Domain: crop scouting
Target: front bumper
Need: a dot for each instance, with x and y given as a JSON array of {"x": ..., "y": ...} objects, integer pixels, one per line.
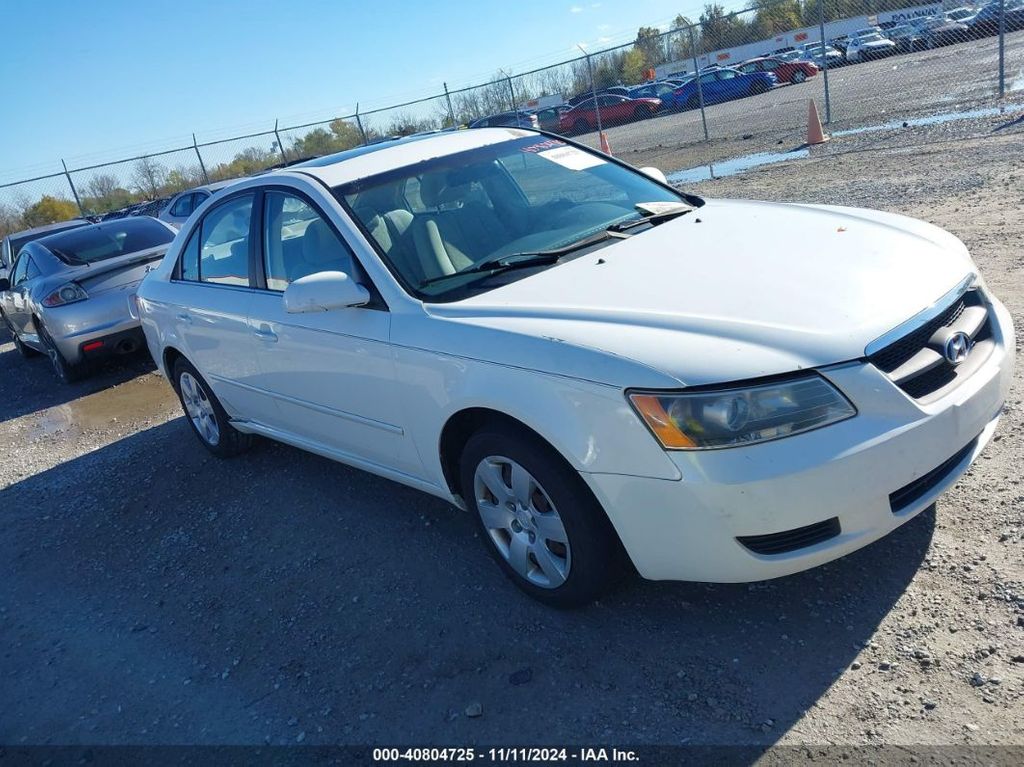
[
  {"x": 688, "y": 529},
  {"x": 110, "y": 317}
]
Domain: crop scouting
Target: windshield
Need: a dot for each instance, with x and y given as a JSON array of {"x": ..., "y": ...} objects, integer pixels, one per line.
[
  {"x": 108, "y": 240},
  {"x": 871, "y": 38},
  {"x": 526, "y": 195}
]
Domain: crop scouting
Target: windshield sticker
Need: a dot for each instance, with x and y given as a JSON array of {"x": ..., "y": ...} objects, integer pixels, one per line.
[
  {"x": 572, "y": 158},
  {"x": 541, "y": 146}
]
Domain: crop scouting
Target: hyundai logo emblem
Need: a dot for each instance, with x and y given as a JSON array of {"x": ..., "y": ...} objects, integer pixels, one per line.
[{"x": 957, "y": 347}]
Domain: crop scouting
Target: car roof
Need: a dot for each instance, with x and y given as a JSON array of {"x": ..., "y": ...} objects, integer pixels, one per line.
[
  {"x": 364, "y": 161},
  {"x": 59, "y": 226}
]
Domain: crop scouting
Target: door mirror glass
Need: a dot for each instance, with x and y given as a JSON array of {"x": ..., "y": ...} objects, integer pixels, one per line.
[{"x": 322, "y": 292}]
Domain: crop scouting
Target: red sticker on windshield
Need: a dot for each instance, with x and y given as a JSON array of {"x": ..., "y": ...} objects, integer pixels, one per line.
[{"x": 540, "y": 147}]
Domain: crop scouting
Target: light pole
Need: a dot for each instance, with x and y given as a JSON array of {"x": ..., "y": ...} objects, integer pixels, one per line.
[{"x": 593, "y": 89}]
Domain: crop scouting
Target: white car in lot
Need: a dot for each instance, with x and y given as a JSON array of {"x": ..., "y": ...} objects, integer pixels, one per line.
[
  {"x": 864, "y": 47},
  {"x": 590, "y": 362}
]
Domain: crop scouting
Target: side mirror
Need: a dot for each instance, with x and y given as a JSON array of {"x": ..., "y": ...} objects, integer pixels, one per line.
[
  {"x": 5, "y": 284},
  {"x": 654, "y": 173},
  {"x": 322, "y": 292}
]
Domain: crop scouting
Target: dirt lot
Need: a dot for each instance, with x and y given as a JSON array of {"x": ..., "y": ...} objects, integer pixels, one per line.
[{"x": 150, "y": 593}]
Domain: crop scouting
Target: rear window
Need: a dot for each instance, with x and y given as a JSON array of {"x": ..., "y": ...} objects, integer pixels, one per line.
[{"x": 108, "y": 240}]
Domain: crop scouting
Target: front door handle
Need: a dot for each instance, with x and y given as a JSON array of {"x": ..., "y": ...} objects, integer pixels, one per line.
[{"x": 264, "y": 333}]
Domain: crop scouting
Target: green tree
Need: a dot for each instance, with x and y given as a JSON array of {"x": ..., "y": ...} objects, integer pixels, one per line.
[
  {"x": 48, "y": 210},
  {"x": 634, "y": 64}
]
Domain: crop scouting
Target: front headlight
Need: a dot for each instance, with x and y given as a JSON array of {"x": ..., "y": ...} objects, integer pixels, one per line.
[{"x": 742, "y": 415}]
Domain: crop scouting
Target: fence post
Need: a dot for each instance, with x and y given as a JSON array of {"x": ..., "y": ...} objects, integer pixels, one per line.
[
  {"x": 700, "y": 90},
  {"x": 824, "y": 60},
  {"x": 359, "y": 124},
  {"x": 593, "y": 90},
  {"x": 448, "y": 97},
  {"x": 1002, "y": 48},
  {"x": 280, "y": 146},
  {"x": 511, "y": 92},
  {"x": 202, "y": 165},
  {"x": 78, "y": 202}
]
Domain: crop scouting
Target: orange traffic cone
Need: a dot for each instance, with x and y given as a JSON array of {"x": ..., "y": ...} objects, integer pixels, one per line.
[
  {"x": 815, "y": 135},
  {"x": 604, "y": 144}
]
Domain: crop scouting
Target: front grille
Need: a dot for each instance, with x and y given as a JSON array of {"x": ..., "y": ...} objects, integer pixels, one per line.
[
  {"x": 911, "y": 493},
  {"x": 916, "y": 363},
  {"x": 791, "y": 540}
]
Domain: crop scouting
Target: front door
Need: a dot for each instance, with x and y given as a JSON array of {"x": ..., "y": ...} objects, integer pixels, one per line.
[{"x": 332, "y": 374}]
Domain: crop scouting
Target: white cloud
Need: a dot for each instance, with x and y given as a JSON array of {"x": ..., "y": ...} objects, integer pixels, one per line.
[{"x": 576, "y": 9}]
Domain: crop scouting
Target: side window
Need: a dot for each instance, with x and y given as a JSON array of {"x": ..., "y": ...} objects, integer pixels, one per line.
[
  {"x": 188, "y": 263},
  {"x": 224, "y": 243},
  {"x": 297, "y": 242},
  {"x": 31, "y": 270},
  {"x": 726, "y": 74},
  {"x": 183, "y": 206},
  {"x": 20, "y": 270},
  {"x": 708, "y": 78}
]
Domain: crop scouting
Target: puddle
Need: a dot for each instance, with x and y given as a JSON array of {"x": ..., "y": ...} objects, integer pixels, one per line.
[
  {"x": 915, "y": 122},
  {"x": 139, "y": 400},
  {"x": 733, "y": 166}
]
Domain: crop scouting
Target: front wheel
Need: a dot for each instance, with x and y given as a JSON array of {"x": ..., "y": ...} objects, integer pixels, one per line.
[
  {"x": 798, "y": 77},
  {"x": 538, "y": 518},
  {"x": 205, "y": 414},
  {"x": 580, "y": 126}
]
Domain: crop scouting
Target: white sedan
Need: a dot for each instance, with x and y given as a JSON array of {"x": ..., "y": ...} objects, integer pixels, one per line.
[{"x": 596, "y": 366}]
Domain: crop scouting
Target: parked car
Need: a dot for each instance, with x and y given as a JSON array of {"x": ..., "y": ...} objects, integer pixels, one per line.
[
  {"x": 823, "y": 54},
  {"x": 986, "y": 22},
  {"x": 494, "y": 319},
  {"x": 180, "y": 207},
  {"x": 722, "y": 84},
  {"x": 656, "y": 90},
  {"x": 839, "y": 43},
  {"x": 71, "y": 295},
  {"x": 791, "y": 55},
  {"x": 962, "y": 15},
  {"x": 794, "y": 72},
  {"x": 13, "y": 243},
  {"x": 613, "y": 109},
  {"x": 549, "y": 119},
  {"x": 906, "y": 38},
  {"x": 868, "y": 47},
  {"x": 151, "y": 208},
  {"x": 517, "y": 119},
  {"x": 937, "y": 31}
]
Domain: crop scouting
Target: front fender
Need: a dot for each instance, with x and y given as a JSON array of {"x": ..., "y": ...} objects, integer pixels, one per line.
[{"x": 590, "y": 424}]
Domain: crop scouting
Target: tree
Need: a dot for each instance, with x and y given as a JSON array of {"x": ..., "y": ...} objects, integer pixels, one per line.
[
  {"x": 634, "y": 64},
  {"x": 149, "y": 177},
  {"x": 651, "y": 44},
  {"x": 722, "y": 30},
  {"x": 774, "y": 18},
  {"x": 48, "y": 210}
]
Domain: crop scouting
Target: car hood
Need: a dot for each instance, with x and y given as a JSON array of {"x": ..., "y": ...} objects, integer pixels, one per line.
[{"x": 729, "y": 291}]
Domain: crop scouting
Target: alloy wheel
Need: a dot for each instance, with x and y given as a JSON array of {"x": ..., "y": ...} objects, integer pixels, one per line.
[
  {"x": 199, "y": 408},
  {"x": 522, "y": 521}
]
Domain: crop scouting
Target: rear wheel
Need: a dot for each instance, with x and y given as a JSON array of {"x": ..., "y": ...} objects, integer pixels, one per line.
[
  {"x": 798, "y": 77},
  {"x": 25, "y": 351},
  {"x": 693, "y": 102},
  {"x": 66, "y": 371},
  {"x": 538, "y": 518},
  {"x": 641, "y": 113},
  {"x": 580, "y": 126},
  {"x": 206, "y": 416},
  {"x": 759, "y": 86}
]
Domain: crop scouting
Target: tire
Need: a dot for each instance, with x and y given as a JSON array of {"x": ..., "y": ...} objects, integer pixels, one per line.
[
  {"x": 25, "y": 351},
  {"x": 205, "y": 414},
  {"x": 693, "y": 102},
  {"x": 580, "y": 560},
  {"x": 759, "y": 86},
  {"x": 799, "y": 76},
  {"x": 66, "y": 372},
  {"x": 580, "y": 126},
  {"x": 641, "y": 113}
]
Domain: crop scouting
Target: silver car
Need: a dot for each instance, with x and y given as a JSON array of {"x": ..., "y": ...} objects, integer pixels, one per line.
[
  {"x": 180, "y": 207},
  {"x": 71, "y": 296},
  {"x": 12, "y": 243}
]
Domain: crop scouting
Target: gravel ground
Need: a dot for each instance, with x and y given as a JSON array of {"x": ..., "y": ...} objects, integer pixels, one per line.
[{"x": 150, "y": 593}]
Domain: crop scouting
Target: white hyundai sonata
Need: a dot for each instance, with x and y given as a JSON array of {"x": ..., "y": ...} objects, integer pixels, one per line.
[{"x": 593, "y": 364}]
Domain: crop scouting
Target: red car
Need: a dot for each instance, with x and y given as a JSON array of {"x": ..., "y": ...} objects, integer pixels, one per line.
[
  {"x": 614, "y": 109},
  {"x": 786, "y": 71}
]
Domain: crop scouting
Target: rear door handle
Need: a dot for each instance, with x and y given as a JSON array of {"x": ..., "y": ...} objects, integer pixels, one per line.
[{"x": 264, "y": 333}]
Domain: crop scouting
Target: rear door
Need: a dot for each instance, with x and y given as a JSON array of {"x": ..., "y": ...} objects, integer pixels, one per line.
[
  {"x": 331, "y": 374},
  {"x": 213, "y": 295}
]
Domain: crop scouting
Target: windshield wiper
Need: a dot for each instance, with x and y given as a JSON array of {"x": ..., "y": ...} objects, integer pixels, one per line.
[
  {"x": 527, "y": 259},
  {"x": 652, "y": 216}
]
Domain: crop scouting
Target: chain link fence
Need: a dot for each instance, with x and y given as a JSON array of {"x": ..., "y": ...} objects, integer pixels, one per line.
[{"x": 702, "y": 92}]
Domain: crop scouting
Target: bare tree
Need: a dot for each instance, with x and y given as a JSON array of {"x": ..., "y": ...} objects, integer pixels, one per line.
[
  {"x": 102, "y": 186},
  {"x": 149, "y": 177}
]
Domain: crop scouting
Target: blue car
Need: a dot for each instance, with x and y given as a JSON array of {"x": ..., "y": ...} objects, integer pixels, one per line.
[{"x": 722, "y": 84}]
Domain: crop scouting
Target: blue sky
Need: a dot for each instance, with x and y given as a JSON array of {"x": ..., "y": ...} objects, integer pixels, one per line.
[{"x": 101, "y": 80}]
